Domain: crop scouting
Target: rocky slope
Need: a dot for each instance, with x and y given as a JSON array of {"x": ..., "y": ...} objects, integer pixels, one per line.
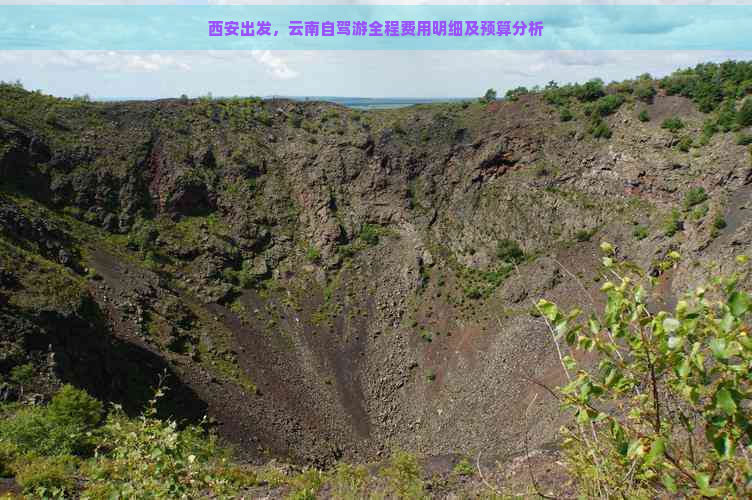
[{"x": 329, "y": 283}]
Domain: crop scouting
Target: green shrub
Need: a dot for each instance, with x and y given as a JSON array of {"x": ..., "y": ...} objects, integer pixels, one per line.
[
  {"x": 464, "y": 468},
  {"x": 590, "y": 91},
  {"x": 695, "y": 196},
  {"x": 684, "y": 144},
  {"x": 719, "y": 222},
  {"x": 609, "y": 104},
  {"x": 565, "y": 115},
  {"x": 643, "y": 116},
  {"x": 509, "y": 251},
  {"x": 743, "y": 139},
  {"x": 673, "y": 124},
  {"x": 404, "y": 474},
  {"x": 665, "y": 404},
  {"x": 599, "y": 129},
  {"x": 699, "y": 212},
  {"x": 489, "y": 96},
  {"x": 744, "y": 116},
  {"x": 313, "y": 254},
  {"x": 644, "y": 90},
  {"x": 22, "y": 375},
  {"x": 47, "y": 477},
  {"x": 8, "y": 454},
  {"x": 673, "y": 224},
  {"x": 584, "y": 235},
  {"x": 370, "y": 234},
  {"x": 640, "y": 233},
  {"x": 71, "y": 406}
]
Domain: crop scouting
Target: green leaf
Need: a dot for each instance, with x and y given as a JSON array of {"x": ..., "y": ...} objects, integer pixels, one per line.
[
  {"x": 675, "y": 343},
  {"x": 719, "y": 348},
  {"x": 549, "y": 310},
  {"x": 702, "y": 480},
  {"x": 636, "y": 449},
  {"x": 724, "y": 401},
  {"x": 656, "y": 452},
  {"x": 669, "y": 483},
  {"x": 738, "y": 303},
  {"x": 671, "y": 324}
]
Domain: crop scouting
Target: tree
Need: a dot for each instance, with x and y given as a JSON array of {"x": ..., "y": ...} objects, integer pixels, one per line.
[
  {"x": 490, "y": 95},
  {"x": 663, "y": 411}
]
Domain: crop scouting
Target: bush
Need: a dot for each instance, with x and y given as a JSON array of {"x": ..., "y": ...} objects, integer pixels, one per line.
[
  {"x": 59, "y": 429},
  {"x": 673, "y": 224},
  {"x": 405, "y": 474},
  {"x": 744, "y": 117},
  {"x": 590, "y": 91},
  {"x": 643, "y": 116},
  {"x": 599, "y": 129},
  {"x": 684, "y": 144},
  {"x": 8, "y": 454},
  {"x": 370, "y": 234},
  {"x": 565, "y": 115},
  {"x": 644, "y": 90},
  {"x": 47, "y": 477},
  {"x": 743, "y": 139},
  {"x": 71, "y": 406},
  {"x": 489, "y": 96},
  {"x": 640, "y": 233},
  {"x": 509, "y": 251},
  {"x": 719, "y": 222},
  {"x": 695, "y": 196},
  {"x": 584, "y": 235},
  {"x": 673, "y": 124},
  {"x": 608, "y": 104},
  {"x": 663, "y": 411}
]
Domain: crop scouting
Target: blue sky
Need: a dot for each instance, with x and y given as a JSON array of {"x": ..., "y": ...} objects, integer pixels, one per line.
[{"x": 372, "y": 73}]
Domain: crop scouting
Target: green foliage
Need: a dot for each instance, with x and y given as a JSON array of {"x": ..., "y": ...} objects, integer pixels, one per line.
[
  {"x": 744, "y": 117},
  {"x": 489, "y": 96},
  {"x": 61, "y": 428},
  {"x": 370, "y": 234},
  {"x": 584, "y": 235},
  {"x": 684, "y": 144},
  {"x": 590, "y": 91},
  {"x": 644, "y": 90},
  {"x": 404, "y": 474},
  {"x": 22, "y": 375},
  {"x": 313, "y": 254},
  {"x": 719, "y": 222},
  {"x": 673, "y": 124},
  {"x": 664, "y": 411},
  {"x": 509, "y": 251},
  {"x": 565, "y": 115},
  {"x": 514, "y": 94},
  {"x": 643, "y": 116},
  {"x": 8, "y": 454},
  {"x": 695, "y": 196},
  {"x": 464, "y": 468},
  {"x": 673, "y": 224},
  {"x": 608, "y": 104},
  {"x": 599, "y": 128},
  {"x": 71, "y": 406},
  {"x": 710, "y": 83},
  {"x": 47, "y": 477},
  {"x": 743, "y": 139},
  {"x": 640, "y": 233}
]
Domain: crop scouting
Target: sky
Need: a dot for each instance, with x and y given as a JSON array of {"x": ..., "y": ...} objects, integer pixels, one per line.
[{"x": 375, "y": 73}]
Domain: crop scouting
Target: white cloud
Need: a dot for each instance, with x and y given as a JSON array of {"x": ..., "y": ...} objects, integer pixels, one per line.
[
  {"x": 109, "y": 61},
  {"x": 275, "y": 65}
]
